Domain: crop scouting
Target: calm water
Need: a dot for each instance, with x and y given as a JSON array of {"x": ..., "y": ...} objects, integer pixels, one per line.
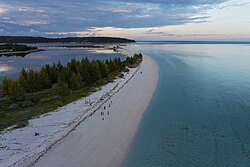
[
  {"x": 200, "y": 112},
  {"x": 11, "y": 66}
]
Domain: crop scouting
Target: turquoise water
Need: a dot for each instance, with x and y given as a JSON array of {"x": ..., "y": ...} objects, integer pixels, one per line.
[{"x": 200, "y": 112}]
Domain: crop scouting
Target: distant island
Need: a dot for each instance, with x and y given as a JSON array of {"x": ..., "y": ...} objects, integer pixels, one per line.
[
  {"x": 28, "y": 39},
  {"x": 11, "y": 49}
]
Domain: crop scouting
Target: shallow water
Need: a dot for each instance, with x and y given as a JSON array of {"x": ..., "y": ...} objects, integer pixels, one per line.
[
  {"x": 200, "y": 112},
  {"x": 11, "y": 66}
]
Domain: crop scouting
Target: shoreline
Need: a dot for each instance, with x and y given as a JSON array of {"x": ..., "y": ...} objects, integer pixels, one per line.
[
  {"x": 21, "y": 52},
  {"x": 82, "y": 121}
]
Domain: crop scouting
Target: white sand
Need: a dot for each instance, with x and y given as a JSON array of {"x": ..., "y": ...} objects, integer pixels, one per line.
[
  {"x": 75, "y": 137},
  {"x": 104, "y": 143}
]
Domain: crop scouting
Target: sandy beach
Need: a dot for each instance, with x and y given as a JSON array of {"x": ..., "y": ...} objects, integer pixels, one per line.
[
  {"x": 81, "y": 134},
  {"x": 103, "y": 140}
]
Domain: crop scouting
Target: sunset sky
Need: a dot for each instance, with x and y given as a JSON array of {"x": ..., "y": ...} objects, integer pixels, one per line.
[{"x": 136, "y": 19}]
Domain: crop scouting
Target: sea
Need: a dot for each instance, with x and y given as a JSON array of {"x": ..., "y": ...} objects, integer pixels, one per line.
[{"x": 199, "y": 115}]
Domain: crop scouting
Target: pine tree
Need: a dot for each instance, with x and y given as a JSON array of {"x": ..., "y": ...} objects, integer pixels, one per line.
[
  {"x": 94, "y": 71},
  {"x": 32, "y": 82},
  {"x": 75, "y": 81},
  {"x": 23, "y": 82},
  {"x": 44, "y": 79},
  {"x": 6, "y": 87},
  {"x": 84, "y": 71},
  {"x": 62, "y": 87},
  {"x": 104, "y": 70},
  {"x": 16, "y": 90}
]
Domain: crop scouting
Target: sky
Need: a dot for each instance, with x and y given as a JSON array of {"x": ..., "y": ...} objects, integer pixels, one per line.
[{"x": 134, "y": 19}]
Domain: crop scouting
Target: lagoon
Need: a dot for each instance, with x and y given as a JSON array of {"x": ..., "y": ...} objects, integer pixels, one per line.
[{"x": 11, "y": 66}]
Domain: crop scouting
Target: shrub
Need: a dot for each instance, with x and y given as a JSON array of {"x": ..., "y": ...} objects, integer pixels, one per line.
[
  {"x": 22, "y": 124},
  {"x": 35, "y": 99},
  {"x": 4, "y": 105},
  {"x": 102, "y": 82},
  {"x": 58, "y": 103},
  {"x": 27, "y": 103},
  {"x": 3, "y": 115},
  {"x": 121, "y": 75},
  {"x": 126, "y": 70}
]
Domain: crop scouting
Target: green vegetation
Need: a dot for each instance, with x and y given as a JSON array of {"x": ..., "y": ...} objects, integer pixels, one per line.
[
  {"x": 38, "y": 92},
  {"x": 23, "y": 39},
  {"x": 15, "y": 47},
  {"x": 11, "y": 49}
]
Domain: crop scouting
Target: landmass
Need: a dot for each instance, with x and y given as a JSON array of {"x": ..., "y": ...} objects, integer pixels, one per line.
[
  {"x": 27, "y": 39},
  {"x": 11, "y": 49},
  {"x": 69, "y": 137},
  {"x": 38, "y": 92}
]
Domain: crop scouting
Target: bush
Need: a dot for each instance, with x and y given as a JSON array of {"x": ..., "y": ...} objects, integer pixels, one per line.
[
  {"x": 58, "y": 103},
  {"x": 121, "y": 75},
  {"x": 35, "y": 99},
  {"x": 4, "y": 105},
  {"x": 27, "y": 104},
  {"x": 102, "y": 82},
  {"x": 22, "y": 124},
  {"x": 2, "y": 115},
  {"x": 126, "y": 70}
]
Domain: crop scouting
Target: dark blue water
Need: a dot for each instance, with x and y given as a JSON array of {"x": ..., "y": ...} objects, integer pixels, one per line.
[
  {"x": 200, "y": 113},
  {"x": 11, "y": 66}
]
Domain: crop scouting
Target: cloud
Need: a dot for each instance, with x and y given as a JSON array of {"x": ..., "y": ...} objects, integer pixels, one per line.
[
  {"x": 161, "y": 33},
  {"x": 62, "y": 17},
  {"x": 31, "y": 10},
  {"x": 3, "y": 10},
  {"x": 115, "y": 10},
  {"x": 27, "y": 23}
]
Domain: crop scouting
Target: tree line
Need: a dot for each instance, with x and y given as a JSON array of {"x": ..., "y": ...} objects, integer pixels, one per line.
[
  {"x": 75, "y": 75},
  {"x": 28, "y": 39},
  {"x": 16, "y": 47}
]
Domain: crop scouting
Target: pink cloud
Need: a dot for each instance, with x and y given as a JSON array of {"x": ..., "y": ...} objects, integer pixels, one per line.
[
  {"x": 32, "y": 10},
  {"x": 27, "y": 23},
  {"x": 114, "y": 10},
  {"x": 3, "y": 10}
]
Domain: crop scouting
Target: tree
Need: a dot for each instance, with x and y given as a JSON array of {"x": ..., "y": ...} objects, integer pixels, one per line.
[
  {"x": 6, "y": 87},
  {"x": 74, "y": 65},
  {"x": 66, "y": 75},
  {"x": 44, "y": 79},
  {"x": 94, "y": 71},
  {"x": 12, "y": 88},
  {"x": 104, "y": 70},
  {"x": 24, "y": 73},
  {"x": 111, "y": 66},
  {"x": 23, "y": 82},
  {"x": 54, "y": 74},
  {"x": 16, "y": 90},
  {"x": 84, "y": 71},
  {"x": 32, "y": 81},
  {"x": 62, "y": 87},
  {"x": 75, "y": 81}
]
